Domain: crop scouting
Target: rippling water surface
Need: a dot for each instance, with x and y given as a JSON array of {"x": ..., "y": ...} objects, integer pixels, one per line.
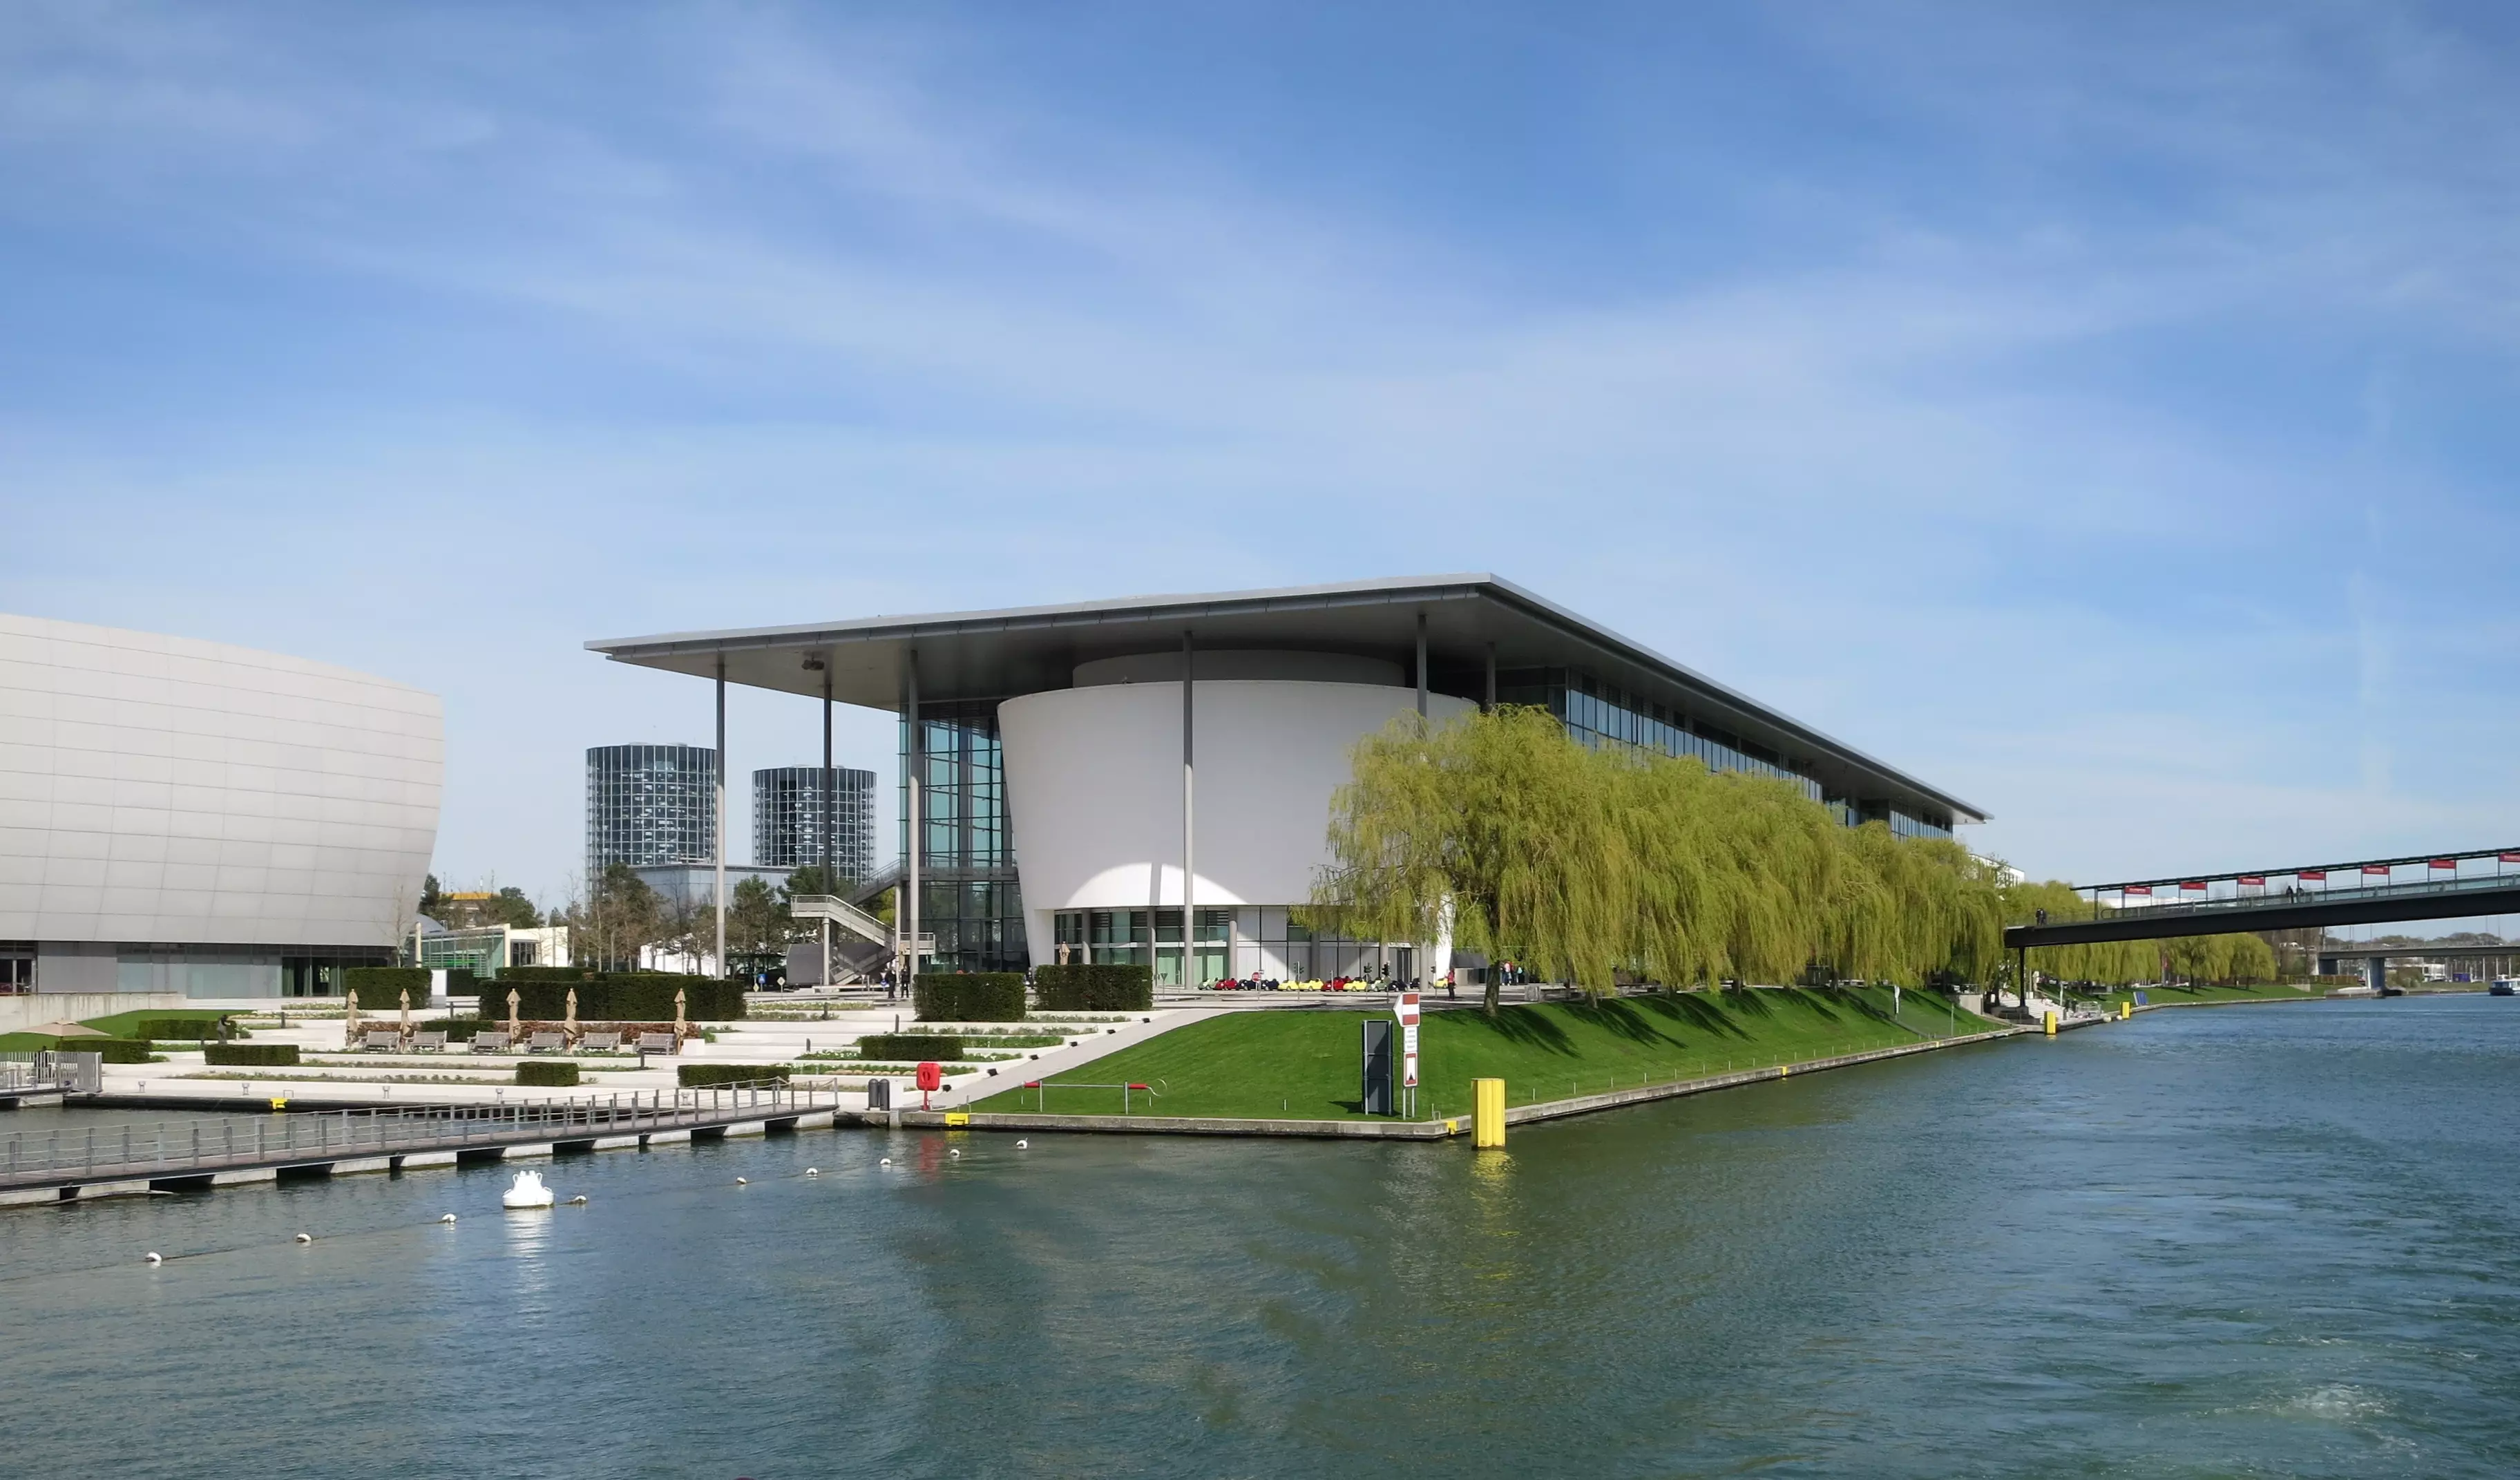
[{"x": 2236, "y": 1241}]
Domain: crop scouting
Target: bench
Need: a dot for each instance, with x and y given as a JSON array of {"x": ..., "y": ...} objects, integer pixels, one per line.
[
  {"x": 428, "y": 1043},
  {"x": 598, "y": 1043},
  {"x": 657, "y": 1043},
  {"x": 382, "y": 1040},
  {"x": 490, "y": 1041},
  {"x": 545, "y": 1043}
]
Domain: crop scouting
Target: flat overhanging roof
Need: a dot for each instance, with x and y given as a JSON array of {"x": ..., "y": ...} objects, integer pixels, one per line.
[{"x": 1025, "y": 650}]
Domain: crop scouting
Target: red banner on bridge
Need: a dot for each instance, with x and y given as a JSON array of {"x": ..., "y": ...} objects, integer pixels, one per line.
[
  {"x": 2380, "y": 869},
  {"x": 2508, "y": 858},
  {"x": 2143, "y": 889},
  {"x": 2193, "y": 884},
  {"x": 2253, "y": 881}
]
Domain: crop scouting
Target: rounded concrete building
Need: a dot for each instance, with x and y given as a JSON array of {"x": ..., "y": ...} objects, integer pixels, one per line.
[{"x": 189, "y": 820}]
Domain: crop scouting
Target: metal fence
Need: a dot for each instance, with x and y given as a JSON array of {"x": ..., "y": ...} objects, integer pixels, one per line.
[
  {"x": 47, "y": 1069},
  {"x": 130, "y": 1152}
]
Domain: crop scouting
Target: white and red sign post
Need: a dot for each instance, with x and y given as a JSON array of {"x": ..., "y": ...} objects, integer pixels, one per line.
[{"x": 1409, "y": 1051}]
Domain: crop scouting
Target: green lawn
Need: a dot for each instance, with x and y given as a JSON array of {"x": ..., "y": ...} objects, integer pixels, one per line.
[
  {"x": 2254, "y": 992},
  {"x": 1304, "y": 1064},
  {"x": 118, "y": 1023}
]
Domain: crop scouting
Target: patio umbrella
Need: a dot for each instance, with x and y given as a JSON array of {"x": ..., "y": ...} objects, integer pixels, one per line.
[
  {"x": 679, "y": 1028},
  {"x": 68, "y": 1030},
  {"x": 350, "y": 1030},
  {"x": 569, "y": 1027},
  {"x": 406, "y": 1013},
  {"x": 512, "y": 1025}
]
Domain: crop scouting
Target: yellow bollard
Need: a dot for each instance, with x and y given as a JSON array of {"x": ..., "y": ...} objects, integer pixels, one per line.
[
  {"x": 1487, "y": 1112},
  {"x": 2126, "y": 1009},
  {"x": 2050, "y": 1015}
]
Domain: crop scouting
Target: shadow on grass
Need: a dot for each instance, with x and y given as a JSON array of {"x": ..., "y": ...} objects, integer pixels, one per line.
[{"x": 1525, "y": 1026}]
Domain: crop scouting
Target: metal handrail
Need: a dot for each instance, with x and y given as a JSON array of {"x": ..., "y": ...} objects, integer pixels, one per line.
[
  {"x": 2176, "y": 907},
  {"x": 209, "y": 1145}
]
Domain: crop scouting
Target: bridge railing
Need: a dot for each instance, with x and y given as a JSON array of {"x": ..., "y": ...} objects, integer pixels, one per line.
[
  {"x": 2164, "y": 907},
  {"x": 130, "y": 1152}
]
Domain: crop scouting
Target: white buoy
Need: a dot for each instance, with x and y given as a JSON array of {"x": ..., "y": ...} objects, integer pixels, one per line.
[
  {"x": 578, "y": 1201},
  {"x": 527, "y": 1193},
  {"x": 154, "y": 1257},
  {"x": 449, "y": 1217},
  {"x": 744, "y": 1181},
  {"x": 956, "y": 1153},
  {"x": 886, "y": 1161},
  {"x": 305, "y": 1238},
  {"x": 1023, "y": 1145},
  {"x": 813, "y": 1171}
]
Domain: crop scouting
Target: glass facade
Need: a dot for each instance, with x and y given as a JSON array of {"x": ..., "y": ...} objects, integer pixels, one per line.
[
  {"x": 650, "y": 804},
  {"x": 789, "y": 815},
  {"x": 1239, "y": 941},
  {"x": 1598, "y": 714},
  {"x": 968, "y": 897}
]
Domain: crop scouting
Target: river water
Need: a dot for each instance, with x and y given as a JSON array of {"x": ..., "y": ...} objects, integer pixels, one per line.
[{"x": 2273, "y": 1240}]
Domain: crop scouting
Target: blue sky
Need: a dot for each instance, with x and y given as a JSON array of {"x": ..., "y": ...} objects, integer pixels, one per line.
[{"x": 2106, "y": 412}]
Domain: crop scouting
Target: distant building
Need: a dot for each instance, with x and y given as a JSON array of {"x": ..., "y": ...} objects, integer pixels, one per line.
[
  {"x": 791, "y": 816},
  {"x": 650, "y": 804},
  {"x": 693, "y": 886},
  {"x": 487, "y": 949}
]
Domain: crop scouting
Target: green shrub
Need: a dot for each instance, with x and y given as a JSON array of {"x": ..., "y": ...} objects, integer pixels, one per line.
[
  {"x": 456, "y": 1029},
  {"x": 547, "y": 1073},
  {"x": 1095, "y": 988},
  {"x": 972, "y": 997},
  {"x": 181, "y": 1029},
  {"x": 257, "y": 1055},
  {"x": 903, "y": 1048},
  {"x": 645, "y": 997},
  {"x": 379, "y": 989},
  {"x": 541, "y": 973},
  {"x": 111, "y": 1050},
  {"x": 690, "y": 1075}
]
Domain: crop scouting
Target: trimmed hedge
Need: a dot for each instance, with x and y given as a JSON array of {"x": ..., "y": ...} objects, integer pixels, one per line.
[
  {"x": 456, "y": 1029},
  {"x": 547, "y": 1073},
  {"x": 897, "y": 1048},
  {"x": 261, "y": 1055},
  {"x": 379, "y": 989},
  {"x": 647, "y": 997},
  {"x": 972, "y": 997},
  {"x": 1095, "y": 988},
  {"x": 691, "y": 1075},
  {"x": 109, "y": 1049},
  {"x": 181, "y": 1029},
  {"x": 546, "y": 973}
]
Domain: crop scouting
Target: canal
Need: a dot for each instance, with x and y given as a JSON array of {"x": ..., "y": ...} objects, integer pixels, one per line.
[{"x": 2229, "y": 1241}]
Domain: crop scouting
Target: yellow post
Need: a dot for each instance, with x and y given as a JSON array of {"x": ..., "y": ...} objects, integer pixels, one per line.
[
  {"x": 2050, "y": 1015},
  {"x": 2126, "y": 1009},
  {"x": 1487, "y": 1112}
]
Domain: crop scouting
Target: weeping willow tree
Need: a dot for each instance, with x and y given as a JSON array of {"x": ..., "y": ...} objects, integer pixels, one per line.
[{"x": 1584, "y": 865}]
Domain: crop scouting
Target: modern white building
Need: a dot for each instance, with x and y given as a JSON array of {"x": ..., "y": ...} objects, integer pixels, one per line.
[
  {"x": 1079, "y": 774},
  {"x": 188, "y": 818}
]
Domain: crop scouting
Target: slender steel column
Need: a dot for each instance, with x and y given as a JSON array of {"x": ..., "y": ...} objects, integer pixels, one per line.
[
  {"x": 831, "y": 807},
  {"x": 1422, "y": 665},
  {"x": 721, "y": 817},
  {"x": 1491, "y": 704},
  {"x": 915, "y": 765},
  {"x": 1189, "y": 930}
]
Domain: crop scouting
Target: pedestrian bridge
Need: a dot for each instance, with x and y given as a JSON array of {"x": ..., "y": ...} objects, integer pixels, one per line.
[
  {"x": 2367, "y": 891},
  {"x": 46, "y": 1166}
]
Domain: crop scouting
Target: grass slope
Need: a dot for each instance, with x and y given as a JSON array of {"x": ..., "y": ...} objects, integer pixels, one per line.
[
  {"x": 2253, "y": 992},
  {"x": 119, "y": 1024},
  {"x": 1304, "y": 1064}
]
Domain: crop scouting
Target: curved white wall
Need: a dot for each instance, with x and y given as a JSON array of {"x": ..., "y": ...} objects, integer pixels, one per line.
[
  {"x": 1094, "y": 782},
  {"x": 155, "y": 789}
]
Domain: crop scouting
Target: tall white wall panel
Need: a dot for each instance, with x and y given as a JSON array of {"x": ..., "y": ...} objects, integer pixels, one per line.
[
  {"x": 1094, "y": 782},
  {"x": 159, "y": 789}
]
